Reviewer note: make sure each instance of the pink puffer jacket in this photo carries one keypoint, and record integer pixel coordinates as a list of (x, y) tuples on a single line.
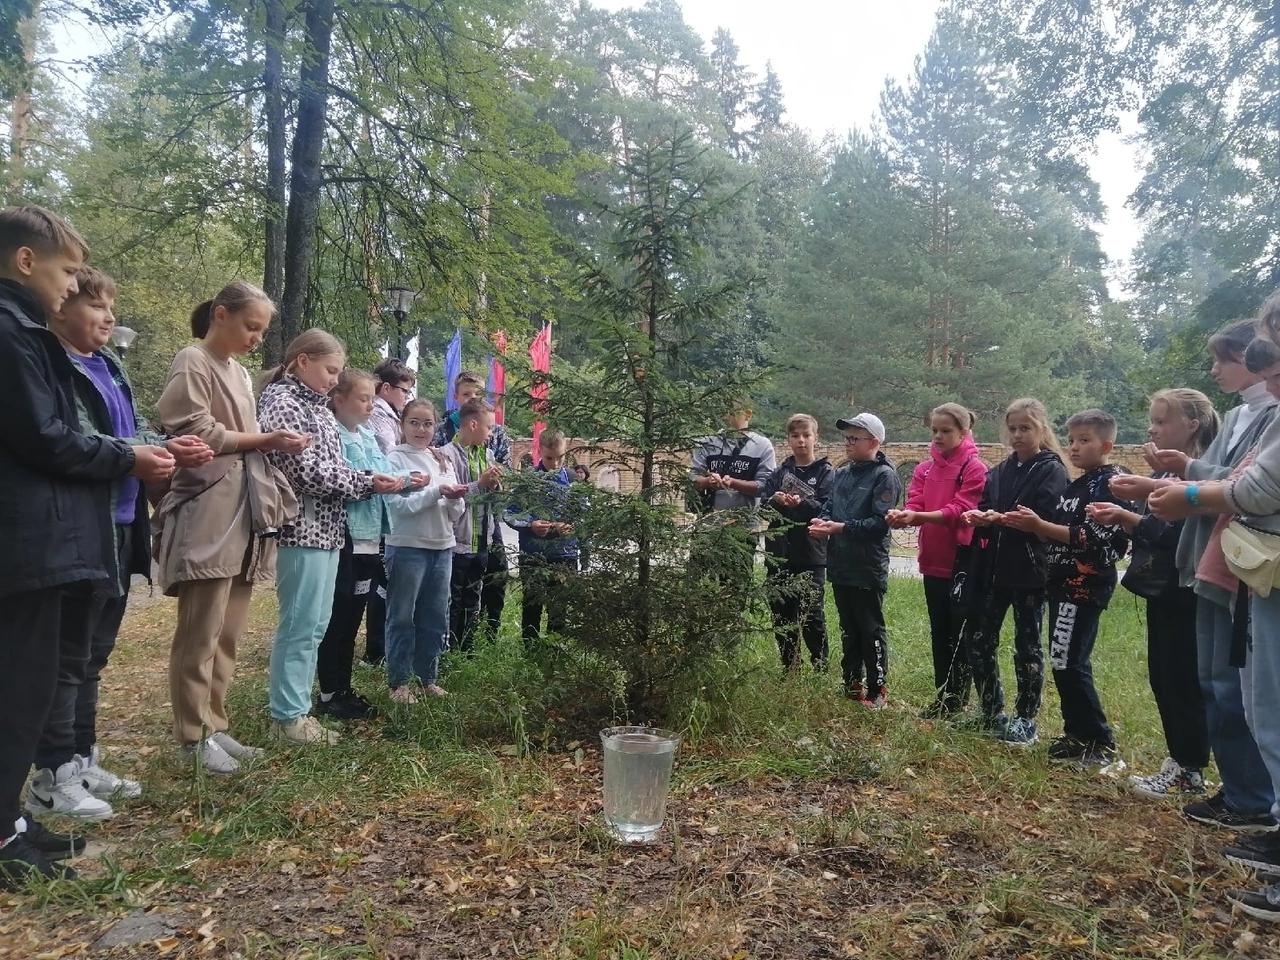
[(951, 483)]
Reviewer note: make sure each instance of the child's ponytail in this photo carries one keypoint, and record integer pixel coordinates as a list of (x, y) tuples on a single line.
[(964, 418), (233, 298)]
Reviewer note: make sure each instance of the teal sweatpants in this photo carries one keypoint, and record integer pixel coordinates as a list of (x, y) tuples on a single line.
[(304, 583)]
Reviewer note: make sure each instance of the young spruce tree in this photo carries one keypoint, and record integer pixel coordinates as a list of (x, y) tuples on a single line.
[(651, 393)]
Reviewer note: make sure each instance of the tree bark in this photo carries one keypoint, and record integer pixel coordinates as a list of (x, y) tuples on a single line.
[(20, 119), (273, 258), (304, 183)]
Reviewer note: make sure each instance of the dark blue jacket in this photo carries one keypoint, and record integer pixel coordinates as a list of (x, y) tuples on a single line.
[(550, 500), (56, 507), (862, 492)]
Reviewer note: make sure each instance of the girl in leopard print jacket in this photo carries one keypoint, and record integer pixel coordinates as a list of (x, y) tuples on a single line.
[(307, 564)]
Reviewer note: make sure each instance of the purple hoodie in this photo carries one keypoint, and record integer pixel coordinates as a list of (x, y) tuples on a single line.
[(951, 483)]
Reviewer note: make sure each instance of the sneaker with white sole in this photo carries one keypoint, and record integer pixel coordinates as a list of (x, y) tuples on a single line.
[(1261, 904), (234, 747), (60, 791), (210, 757), (304, 729), (1173, 780), (102, 783)]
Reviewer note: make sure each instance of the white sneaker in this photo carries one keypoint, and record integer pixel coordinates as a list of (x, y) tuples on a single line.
[(102, 783), (304, 729), (60, 791), (234, 747), (210, 756)]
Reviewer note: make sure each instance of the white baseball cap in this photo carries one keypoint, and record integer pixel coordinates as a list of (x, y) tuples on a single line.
[(866, 421)]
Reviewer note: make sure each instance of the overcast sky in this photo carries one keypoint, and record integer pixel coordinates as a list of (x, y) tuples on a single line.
[(833, 57)]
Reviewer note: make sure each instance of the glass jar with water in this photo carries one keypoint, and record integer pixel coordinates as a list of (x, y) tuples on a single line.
[(637, 778)]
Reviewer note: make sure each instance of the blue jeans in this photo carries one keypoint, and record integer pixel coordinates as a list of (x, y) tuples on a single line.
[(417, 612), (1262, 685), (1246, 785), (304, 583)]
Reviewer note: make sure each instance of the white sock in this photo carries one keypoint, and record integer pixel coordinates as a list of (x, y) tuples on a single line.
[(326, 697)]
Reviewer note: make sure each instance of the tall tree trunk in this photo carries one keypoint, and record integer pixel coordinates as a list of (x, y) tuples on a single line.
[(273, 259), (304, 184), (20, 118)]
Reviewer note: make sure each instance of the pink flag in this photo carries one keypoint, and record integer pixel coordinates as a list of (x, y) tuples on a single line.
[(540, 357)]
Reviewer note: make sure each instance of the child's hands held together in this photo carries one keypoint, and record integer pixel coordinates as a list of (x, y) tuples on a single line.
[(1175, 461), (491, 479), (416, 480), (541, 528), (287, 441), (453, 491), (786, 499), (898, 519), (1170, 502), (152, 465), (189, 451), (384, 484), (1110, 514), (980, 518), (1132, 487), (821, 529), (1024, 519)]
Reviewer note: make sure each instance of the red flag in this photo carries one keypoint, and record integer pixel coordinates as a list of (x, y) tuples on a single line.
[(497, 386), (540, 358)]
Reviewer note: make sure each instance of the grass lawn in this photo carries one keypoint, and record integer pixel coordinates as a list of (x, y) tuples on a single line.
[(800, 826)]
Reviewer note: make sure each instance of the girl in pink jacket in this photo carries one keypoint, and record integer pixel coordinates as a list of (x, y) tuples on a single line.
[(942, 488)]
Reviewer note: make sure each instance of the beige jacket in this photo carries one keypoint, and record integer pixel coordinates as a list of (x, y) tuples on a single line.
[(218, 520)]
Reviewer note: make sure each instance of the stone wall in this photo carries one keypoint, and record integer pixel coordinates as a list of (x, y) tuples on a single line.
[(904, 456)]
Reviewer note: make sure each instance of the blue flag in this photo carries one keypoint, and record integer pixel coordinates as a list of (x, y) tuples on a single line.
[(452, 367)]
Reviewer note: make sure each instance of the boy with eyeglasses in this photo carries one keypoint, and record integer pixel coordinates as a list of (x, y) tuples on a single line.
[(854, 523)]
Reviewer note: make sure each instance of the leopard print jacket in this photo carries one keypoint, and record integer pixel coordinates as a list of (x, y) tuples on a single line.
[(319, 475)]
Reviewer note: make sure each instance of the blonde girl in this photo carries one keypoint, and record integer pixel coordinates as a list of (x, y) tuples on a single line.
[(297, 399), (1010, 569), (1182, 420)]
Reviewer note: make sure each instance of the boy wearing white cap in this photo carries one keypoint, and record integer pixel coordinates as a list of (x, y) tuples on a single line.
[(864, 490)]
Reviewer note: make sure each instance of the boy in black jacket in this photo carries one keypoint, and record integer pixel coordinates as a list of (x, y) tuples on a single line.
[(795, 563), (863, 491), (1081, 578), (55, 505)]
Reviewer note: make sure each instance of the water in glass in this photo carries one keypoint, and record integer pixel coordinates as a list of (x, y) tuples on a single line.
[(637, 776)]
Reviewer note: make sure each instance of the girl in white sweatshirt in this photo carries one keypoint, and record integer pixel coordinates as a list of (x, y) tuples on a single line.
[(420, 558)]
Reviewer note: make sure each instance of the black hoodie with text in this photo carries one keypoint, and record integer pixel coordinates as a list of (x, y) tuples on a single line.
[(1019, 558), (1084, 569)]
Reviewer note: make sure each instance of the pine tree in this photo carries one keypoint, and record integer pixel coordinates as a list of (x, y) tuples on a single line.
[(733, 85)]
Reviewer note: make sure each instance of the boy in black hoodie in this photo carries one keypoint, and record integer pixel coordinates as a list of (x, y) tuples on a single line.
[(795, 563), (1081, 578)]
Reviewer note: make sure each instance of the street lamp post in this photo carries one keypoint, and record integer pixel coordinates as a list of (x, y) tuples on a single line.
[(399, 301), (122, 339)]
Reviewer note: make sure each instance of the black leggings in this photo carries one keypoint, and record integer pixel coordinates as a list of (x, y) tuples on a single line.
[(982, 641), (950, 660)]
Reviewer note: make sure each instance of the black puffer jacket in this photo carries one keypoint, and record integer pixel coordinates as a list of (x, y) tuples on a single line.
[(1019, 558), (55, 481)]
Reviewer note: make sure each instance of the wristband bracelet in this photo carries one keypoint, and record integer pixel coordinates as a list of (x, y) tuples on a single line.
[(1193, 494)]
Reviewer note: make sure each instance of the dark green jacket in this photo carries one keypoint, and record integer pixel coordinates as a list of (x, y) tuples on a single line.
[(861, 494)]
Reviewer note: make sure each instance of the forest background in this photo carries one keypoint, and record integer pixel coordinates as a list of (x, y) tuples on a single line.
[(472, 150)]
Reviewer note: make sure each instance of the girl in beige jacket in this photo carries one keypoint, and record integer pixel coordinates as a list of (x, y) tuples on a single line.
[(215, 526)]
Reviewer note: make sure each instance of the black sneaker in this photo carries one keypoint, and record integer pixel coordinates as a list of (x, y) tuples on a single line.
[(1260, 904), (20, 862), (1261, 852), (1215, 812), (347, 705), (1068, 748), (1101, 755), (55, 846)]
